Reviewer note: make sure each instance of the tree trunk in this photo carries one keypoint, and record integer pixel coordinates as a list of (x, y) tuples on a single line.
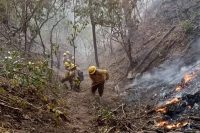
[(95, 44), (129, 53), (51, 40), (42, 43), (94, 33), (25, 28), (111, 46)]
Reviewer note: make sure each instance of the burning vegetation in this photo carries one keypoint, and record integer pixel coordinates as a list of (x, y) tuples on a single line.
[(173, 111), (167, 125), (188, 77), (173, 101)]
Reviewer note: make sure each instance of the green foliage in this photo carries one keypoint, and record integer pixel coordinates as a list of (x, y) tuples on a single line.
[(58, 115), (76, 28), (25, 73), (105, 116), (103, 12), (18, 102), (2, 91), (2, 10), (187, 26)]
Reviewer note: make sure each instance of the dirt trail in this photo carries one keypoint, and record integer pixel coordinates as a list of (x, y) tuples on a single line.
[(83, 108)]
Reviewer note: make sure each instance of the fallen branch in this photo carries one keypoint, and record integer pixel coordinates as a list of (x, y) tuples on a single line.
[(151, 39), (123, 110), (121, 106), (194, 118), (151, 51), (22, 100), (3, 105)]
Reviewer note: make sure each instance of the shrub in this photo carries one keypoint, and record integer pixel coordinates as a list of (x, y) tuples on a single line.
[(24, 73), (187, 26)]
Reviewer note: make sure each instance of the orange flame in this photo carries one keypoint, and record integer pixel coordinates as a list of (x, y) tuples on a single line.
[(165, 124), (173, 101), (177, 125), (162, 123), (188, 77), (162, 110), (178, 88)]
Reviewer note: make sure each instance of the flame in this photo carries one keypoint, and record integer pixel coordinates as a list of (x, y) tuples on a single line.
[(165, 124), (177, 125), (162, 123), (188, 77), (162, 110), (173, 101), (178, 88)]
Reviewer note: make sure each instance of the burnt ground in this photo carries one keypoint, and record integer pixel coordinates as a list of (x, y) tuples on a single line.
[(149, 96)]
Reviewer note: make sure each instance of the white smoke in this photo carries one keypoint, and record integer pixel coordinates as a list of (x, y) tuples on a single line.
[(170, 72)]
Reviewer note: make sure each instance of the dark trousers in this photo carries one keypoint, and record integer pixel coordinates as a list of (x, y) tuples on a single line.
[(100, 88)]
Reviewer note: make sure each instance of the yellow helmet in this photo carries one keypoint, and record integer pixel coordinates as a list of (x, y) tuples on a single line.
[(66, 64), (73, 66), (92, 69)]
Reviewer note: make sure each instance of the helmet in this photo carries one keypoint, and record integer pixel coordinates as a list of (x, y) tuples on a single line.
[(66, 64), (67, 60), (67, 52), (92, 69), (64, 54), (73, 66)]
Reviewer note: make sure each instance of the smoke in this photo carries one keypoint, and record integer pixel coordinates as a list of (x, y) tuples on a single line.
[(149, 8), (170, 72)]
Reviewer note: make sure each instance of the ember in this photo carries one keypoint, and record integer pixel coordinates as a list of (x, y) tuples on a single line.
[(173, 101), (162, 123), (162, 110), (189, 107), (188, 77), (178, 88), (165, 124), (173, 109), (177, 125)]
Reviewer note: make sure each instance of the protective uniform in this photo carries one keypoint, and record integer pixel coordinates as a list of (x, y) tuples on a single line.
[(68, 74), (98, 77), (67, 57), (72, 76)]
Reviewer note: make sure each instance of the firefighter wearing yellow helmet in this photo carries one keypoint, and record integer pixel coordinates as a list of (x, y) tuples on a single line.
[(98, 77), (67, 65), (69, 74), (66, 57), (72, 75)]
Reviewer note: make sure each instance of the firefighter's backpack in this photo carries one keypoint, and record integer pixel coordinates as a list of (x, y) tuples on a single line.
[(80, 75)]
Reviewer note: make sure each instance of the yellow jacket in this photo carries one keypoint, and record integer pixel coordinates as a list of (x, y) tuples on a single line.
[(99, 76)]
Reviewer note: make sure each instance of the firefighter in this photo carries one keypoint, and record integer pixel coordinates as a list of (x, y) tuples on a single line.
[(76, 78), (98, 77), (66, 56), (69, 74), (72, 76)]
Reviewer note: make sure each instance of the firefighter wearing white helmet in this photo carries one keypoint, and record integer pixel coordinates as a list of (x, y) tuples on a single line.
[(66, 56), (98, 77)]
